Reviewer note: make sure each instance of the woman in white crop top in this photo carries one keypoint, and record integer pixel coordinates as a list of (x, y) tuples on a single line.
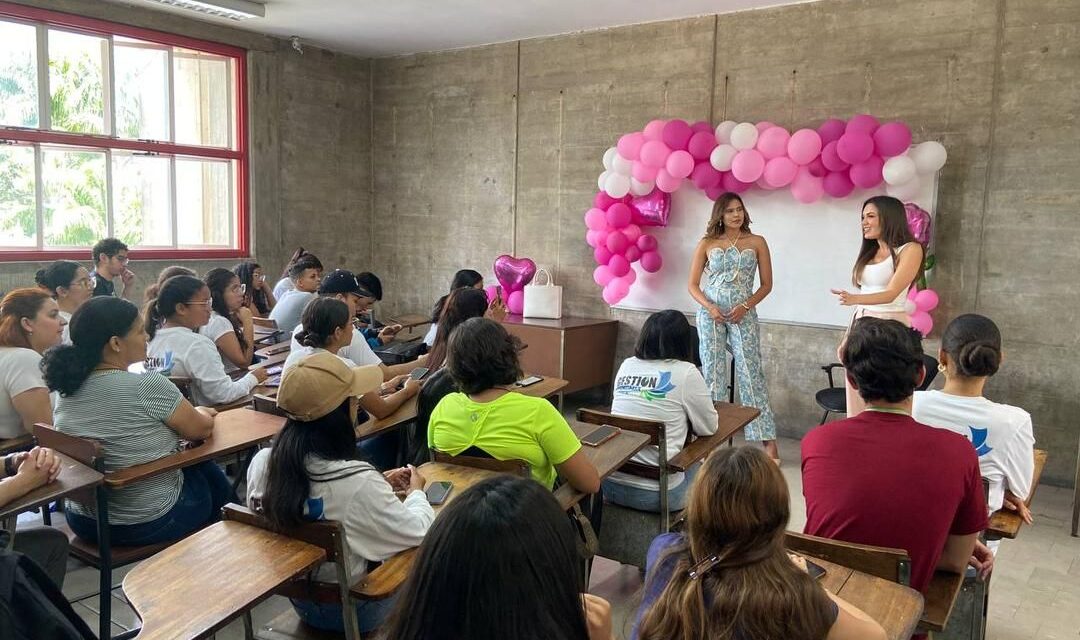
[(889, 262)]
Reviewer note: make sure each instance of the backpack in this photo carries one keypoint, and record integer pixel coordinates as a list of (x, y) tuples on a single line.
[(31, 606)]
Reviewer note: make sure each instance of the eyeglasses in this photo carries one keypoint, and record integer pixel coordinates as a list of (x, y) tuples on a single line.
[(122, 259), (208, 302), (83, 283), (239, 288), (261, 278)]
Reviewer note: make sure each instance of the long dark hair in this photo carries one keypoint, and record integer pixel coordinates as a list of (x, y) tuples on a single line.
[(522, 579), (320, 319), (461, 305), (246, 272), (176, 290), (296, 256), (172, 271), (715, 227), (463, 278), (894, 232), (666, 335), (66, 367), (746, 587), (219, 280), (288, 483), (58, 274), (481, 354), (973, 343)]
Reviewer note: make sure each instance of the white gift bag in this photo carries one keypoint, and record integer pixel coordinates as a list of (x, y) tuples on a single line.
[(543, 300)]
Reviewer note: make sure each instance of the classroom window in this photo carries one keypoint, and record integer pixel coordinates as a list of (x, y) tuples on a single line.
[(109, 130)]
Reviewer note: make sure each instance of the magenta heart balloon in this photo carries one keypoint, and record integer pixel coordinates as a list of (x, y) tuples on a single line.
[(651, 210), (918, 220), (514, 273)]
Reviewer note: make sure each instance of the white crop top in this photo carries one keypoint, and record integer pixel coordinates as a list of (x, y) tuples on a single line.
[(875, 279)]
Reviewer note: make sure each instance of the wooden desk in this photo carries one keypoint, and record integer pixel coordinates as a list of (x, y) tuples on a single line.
[(606, 458), (729, 419), (74, 477), (196, 586), (580, 350), (895, 607), (1005, 523), (18, 443), (234, 430)]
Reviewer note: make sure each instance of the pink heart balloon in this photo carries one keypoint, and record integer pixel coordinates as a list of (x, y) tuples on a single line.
[(918, 221), (651, 210), (514, 273)]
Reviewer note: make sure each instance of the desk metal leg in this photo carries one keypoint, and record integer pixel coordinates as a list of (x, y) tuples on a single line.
[(105, 570)]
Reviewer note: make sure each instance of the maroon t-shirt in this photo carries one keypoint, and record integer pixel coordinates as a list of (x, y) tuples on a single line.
[(884, 479)]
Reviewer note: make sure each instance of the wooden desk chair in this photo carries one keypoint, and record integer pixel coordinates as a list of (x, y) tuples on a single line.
[(13, 445), (266, 404), (273, 350), (182, 383), (515, 467), (329, 536)]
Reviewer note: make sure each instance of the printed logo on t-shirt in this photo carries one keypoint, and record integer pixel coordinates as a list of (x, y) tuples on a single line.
[(978, 440), (649, 387), (313, 509)]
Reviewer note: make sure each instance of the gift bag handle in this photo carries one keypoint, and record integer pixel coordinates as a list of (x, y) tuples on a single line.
[(547, 276)]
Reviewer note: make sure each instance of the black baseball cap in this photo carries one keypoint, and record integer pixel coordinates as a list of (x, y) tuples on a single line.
[(342, 281)]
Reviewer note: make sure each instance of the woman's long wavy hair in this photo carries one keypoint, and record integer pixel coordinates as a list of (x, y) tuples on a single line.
[(219, 280), (894, 232), (246, 272), (747, 587), (461, 305), (715, 227)]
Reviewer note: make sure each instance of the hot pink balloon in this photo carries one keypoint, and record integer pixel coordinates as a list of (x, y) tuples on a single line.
[(630, 277), (807, 188), (867, 174), (779, 172), (594, 219), (491, 291), (633, 254), (862, 123), (734, 185), (702, 126), (804, 146), (927, 300), (619, 265), (602, 201), (831, 160), (748, 165), (831, 130), (854, 148), (912, 292), (667, 182), (772, 143), (837, 184), (817, 168), (677, 134), (616, 243), (632, 233), (615, 291), (655, 153), (515, 302), (714, 193), (618, 215), (514, 273), (922, 322), (654, 130), (680, 164), (704, 176), (601, 254), (764, 125), (651, 261), (643, 172), (701, 144), (602, 275), (629, 146), (918, 221), (892, 139), (647, 243), (650, 210)]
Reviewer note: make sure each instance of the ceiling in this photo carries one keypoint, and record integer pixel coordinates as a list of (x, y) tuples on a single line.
[(394, 27)]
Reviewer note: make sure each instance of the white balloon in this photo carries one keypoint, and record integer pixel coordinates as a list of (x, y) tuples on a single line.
[(617, 185), (601, 182), (639, 188), (905, 192), (898, 169), (744, 136), (722, 156), (621, 165), (723, 131), (929, 157), (609, 158), (909, 306)]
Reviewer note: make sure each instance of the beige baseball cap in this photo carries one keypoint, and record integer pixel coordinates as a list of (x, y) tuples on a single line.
[(319, 383)]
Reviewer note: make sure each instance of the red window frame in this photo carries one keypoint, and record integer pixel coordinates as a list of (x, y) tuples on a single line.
[(239, 155)]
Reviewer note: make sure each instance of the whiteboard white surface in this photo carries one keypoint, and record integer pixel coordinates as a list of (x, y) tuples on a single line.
[(813, 248)]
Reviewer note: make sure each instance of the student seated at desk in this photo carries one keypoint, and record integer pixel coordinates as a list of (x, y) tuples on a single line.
[(172, 322), (971, 353), (21, 473), (151, 292), (501, 561), (30, 323), (463, 279), (483, 360), (258, 298), (376, 336), (304, 274), (883, 479), (137, 418), (728, 576), (287, 283), (69, 284), (661, 382), (230, 326), (460, 305), (311, 473)]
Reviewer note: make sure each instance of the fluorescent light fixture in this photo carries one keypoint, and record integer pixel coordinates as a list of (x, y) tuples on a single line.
[(231, 9)]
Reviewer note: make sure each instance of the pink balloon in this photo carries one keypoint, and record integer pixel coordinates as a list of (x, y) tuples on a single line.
[(491, 292), (630, 277), (514, 273), (702, 126), (642, 172), (602, 201), (594, 219), (515, 302), (831, 130), (702, 144), (892, 139), (677, 134), (763, 126), (804, 146), (734, 185), (837, 184), (615, 291), (927, 300), (867, 175), (762, 184), (772, 143), (602, 275), (854, 148), (619, 266), (651, 210), (680, 164), (779, 172), (807, 188), (633, 254), (618, 215), (601, 254), (647, 243), (616, 242), (817, 168), (593, 238), (704, 176), (912, 292), (654, 153), (714, 193), (862, 123), (922, 322), (918, 221), (629, 146), (831, 160), (651, 261), (748, 165), (667, 182), (632, 233), (654, 130)]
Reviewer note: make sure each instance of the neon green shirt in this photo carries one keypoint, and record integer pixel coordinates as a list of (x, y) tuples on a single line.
[(512, 426)]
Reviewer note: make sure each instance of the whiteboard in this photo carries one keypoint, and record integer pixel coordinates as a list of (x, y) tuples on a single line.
[(813, 248)]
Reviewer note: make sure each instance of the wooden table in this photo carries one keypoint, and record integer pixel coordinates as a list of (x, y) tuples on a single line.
[(607, 458), (74, 477), (580, 350), (895, 607), (1005, 523), (196, 586)]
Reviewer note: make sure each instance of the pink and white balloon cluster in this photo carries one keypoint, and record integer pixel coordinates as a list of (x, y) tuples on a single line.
[(834, 159), (918, 306), (616, 236)]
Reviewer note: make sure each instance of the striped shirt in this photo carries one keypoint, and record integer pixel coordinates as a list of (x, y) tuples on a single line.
[(126, 412)]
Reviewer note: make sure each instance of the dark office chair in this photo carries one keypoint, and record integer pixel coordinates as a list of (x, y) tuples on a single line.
[(833, 398)]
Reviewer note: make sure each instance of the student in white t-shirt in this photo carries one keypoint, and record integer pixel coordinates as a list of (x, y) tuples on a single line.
[(30, 323), (661, 382), (230, 327), (172, 322), (1001, 434), (286, 283), (304, 274), (69, 284)]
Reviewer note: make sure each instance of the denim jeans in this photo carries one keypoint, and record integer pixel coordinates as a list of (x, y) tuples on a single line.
[(649, 499), (205, 491), (371, 614)]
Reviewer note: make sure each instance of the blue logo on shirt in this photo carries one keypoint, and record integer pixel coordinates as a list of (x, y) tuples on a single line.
[(650, 387), (313, 509), (978, 440)]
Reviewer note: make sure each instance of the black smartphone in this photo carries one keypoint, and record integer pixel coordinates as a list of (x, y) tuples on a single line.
[(815, 570), (418, 373), (438, 491), (600, 435), (524, 382)]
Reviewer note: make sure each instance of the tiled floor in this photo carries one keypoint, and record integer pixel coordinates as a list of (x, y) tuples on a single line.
[(1035, 593)]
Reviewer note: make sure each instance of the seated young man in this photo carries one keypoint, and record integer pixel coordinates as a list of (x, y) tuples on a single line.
[(883, 479), (110, 261), (376, 336)]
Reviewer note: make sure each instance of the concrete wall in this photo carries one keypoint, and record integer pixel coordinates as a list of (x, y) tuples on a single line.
[(496, 149)]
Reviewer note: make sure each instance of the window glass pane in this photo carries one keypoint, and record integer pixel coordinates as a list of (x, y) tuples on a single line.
[(142, 91), (202, 85), (18, 211), (76, 82), (141, 200), (204, 213), (74, 198), (18, 75)]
